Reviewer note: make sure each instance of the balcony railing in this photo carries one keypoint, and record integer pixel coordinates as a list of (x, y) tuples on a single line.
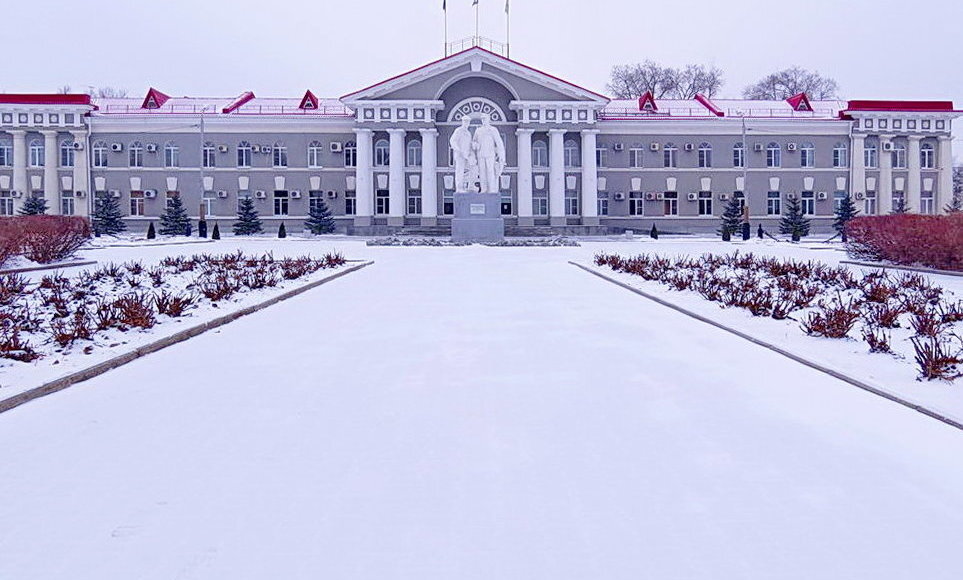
[(251, 109), (499, 48)]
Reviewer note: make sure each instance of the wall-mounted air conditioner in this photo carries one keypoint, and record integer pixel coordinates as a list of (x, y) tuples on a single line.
[(659, 196), (266, 149), (790, 146), (115, 147), (619, 196), (822, 195), (689, 147), (618, 146), (860, 195), (653, 146), (336, 147), (332, 194), (888, 146), (260, 194), (222, 148), (256, 148), (150, 193), (151, 147), (650, 196), (221, 193), (295, 194), (723, 197), (114, 193), (78, 145), (757, 147), (80, 194), (692, 196)]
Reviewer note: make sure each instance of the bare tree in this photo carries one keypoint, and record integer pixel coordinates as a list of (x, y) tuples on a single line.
[(792, 81), (64, 90), (629, 81), (107, 92), (697, 79)]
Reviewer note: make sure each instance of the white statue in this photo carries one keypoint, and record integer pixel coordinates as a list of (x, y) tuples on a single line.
[(463, 148), (490, 155)]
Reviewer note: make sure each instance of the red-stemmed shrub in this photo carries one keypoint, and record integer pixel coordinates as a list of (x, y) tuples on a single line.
[(937, 357), (934, 241), (47, 238)]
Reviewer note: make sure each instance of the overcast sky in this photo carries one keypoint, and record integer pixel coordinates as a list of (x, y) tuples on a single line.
[(880, 49)]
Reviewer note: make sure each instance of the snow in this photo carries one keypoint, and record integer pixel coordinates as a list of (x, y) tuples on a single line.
[(474, 412)]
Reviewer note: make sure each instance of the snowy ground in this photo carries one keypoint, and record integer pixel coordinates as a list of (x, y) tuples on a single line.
[(474, 413)]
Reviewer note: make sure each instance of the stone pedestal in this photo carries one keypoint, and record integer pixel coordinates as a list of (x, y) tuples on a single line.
[(478, 218)]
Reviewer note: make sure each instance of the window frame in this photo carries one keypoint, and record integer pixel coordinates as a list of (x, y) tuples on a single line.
[(705, 155), (315, 154), (245, 154), (773, 155)]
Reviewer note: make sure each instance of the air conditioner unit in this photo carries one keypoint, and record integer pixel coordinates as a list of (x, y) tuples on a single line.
[(80, 194), (689, 147), (150, 193), (222, 148), (860, 195), (888, 146), (332, 194), (295, 194), (723, 197), (650, 196), (757, 147), (151, 147), (790, 146), (114, 193), (660, 196), (260, 194), (221, 193), (653, 146), (619, 196), (822, 195), (78, 145), (116, 147), (256, 148), (618, 146), (16, 193), (265, 148), (336, 147), (692, 196)]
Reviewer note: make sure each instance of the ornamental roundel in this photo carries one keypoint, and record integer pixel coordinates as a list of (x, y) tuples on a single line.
[(476, 107)]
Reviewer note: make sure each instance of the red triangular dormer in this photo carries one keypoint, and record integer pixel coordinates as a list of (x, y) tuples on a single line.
[(800, 102), (309, 101), (154, 99), (647, 103)]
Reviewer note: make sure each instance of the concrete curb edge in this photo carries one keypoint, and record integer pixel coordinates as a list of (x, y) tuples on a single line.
[(883, 266), (49, 267)]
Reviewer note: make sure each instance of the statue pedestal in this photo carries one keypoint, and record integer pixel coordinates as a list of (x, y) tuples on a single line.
[(478, 218)]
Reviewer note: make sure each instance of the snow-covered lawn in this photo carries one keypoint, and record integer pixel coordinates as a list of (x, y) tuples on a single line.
[(474, 413)]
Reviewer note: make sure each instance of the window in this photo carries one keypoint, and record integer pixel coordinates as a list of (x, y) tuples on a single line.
[(705, 203), (506, 203), (413, 154), (315, 200), (540, 205), (241, 197), (6, 154), (243, 154), (67, 202), (603, 203), (100, 154), (350, 154), (208, 198), (807, 155), (281, 202), (899, 156), (315, 151), (67, 154), (382, 205), (350, 202), (773, 203), (738, 155), (927, 157), (871, 157), (669, 155), (170, 197), (414, 202), (670, 203), (636, 203), (539, 154), (135, 158), (635, 157), (382, 153), (773, 155), (280, 156), (570, 151), (740, 198), (209, 155), (571, 203), (6, 203), (602, 157), (838, 198), (926, 202), (808, 203), (172, 155), (448, 202), (840, 155), (136, 203), (705, 155), (36, 153), (871, 208)]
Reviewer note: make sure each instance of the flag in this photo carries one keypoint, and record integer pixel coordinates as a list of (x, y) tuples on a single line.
[(474, 2), (506, 6), (444, 5)]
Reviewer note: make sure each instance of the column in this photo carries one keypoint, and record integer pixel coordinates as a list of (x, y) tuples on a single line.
[(857, 168), (396, 177), (913, 177), (364, 185), (556, 177), (20, 165), (429, 176), (524, 179), (944, 193), (590, 187), (884, 189), (82, 174), (51, 185)]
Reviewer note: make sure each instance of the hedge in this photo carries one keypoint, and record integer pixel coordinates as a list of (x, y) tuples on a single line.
[(42, 238), (934, 241)]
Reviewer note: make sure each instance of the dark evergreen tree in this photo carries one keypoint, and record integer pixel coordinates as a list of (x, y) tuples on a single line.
[(151, 233), (845, 211), (731, 219), (216, 232), (319, 218), (34, 205), (654, 233), (899, 206), (793, 221), (174, 221), (248, 223), (282, 233), (107, 218), (760, 233)]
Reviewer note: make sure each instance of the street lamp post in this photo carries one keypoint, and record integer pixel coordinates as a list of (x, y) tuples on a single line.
[(746, 228)]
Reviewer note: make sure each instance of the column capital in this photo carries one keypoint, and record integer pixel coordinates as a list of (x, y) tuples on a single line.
[(524, 131), (859, 137), (884, 138), (363, 131), (945, 138), (915, 137), (590, 131), (17, 132), (557, 131), (49, 132), (396, 131), (428, 131)]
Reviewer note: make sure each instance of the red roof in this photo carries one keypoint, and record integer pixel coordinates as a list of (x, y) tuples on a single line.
[(39, 99), (647, 99), (907, 106), (239, 102), (800, 102), (154, 99), (309, 101), (705, 102)]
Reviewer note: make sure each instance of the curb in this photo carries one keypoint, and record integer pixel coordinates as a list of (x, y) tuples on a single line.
[(120, 360), (51, 267), (899, 267), (134, 245), (804, 361)]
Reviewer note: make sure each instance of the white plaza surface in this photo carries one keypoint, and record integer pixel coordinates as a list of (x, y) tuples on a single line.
[(473, 413)]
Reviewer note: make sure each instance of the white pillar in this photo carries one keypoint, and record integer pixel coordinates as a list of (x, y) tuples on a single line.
[(944, 193), (20, 165), (396, 177), (364, 185), (913, 177), (524, 179), (556, 177), (885, 186), (51, 185), (429, 176), (81, 174), (590, 186), (857, 169)]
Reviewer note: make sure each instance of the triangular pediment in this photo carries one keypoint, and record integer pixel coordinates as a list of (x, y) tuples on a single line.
[(154, 99)]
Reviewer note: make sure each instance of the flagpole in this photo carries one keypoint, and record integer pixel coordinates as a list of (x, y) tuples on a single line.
[(508, 30), (444, 7), (476, 21)]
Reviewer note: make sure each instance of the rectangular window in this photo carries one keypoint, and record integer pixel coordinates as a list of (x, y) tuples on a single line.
[(67, 203), (280, 156), (172, 156), (926, 202), (36, 156), (636, 203), (315, 200), (540, 206), (669, 157), (100, 157), (241, 197), (448, 202), (705, 203), (838, 198), (350, 202), (571, 203), (350, 157), (740, 197), (871, 158), (382, 205), (705, 157), (927, 158), (773, 203), (603, 203), (773, 157), (281, 202), (840, 156), (808, 202), (67, 157), (208, 198), (136, 203), (807, 157), (6, 203), (506, 203), (135, 157), (670, 203), (635, 157), (208, 157), (414, 202), (738, 157), (244, 156), (601, 157), (871, 207), (6, 155), (169, 199)]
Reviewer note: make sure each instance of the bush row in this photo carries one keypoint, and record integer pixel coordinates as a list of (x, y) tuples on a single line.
[(42, 238), (934, 241)]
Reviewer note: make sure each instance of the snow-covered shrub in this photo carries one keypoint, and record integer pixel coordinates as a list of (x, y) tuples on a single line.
[(938, 357), (935, 241), (833, 318), (172, 303), (51, 238)]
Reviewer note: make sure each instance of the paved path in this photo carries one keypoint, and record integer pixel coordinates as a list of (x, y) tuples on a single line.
[(474, 414)]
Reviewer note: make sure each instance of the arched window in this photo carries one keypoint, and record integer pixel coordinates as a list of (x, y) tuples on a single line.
[(927, 156), (738, 155), (280, 152), (382, 153), (172, 155), (871, 156), (705, 155), (413, 157), (807, 155), (840, 155), (36, 153), (670, 155), (135, 154), (67, 153), (243, 154), (208, 156), (350, 154), (99, 153), (899, 156), (539, 154), (773, 155), (315, 151), (571, 153)]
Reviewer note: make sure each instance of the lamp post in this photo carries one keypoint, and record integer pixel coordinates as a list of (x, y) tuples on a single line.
[(201, 210), (746, 228)]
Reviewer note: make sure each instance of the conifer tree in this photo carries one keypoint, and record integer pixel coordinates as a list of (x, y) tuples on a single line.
[(248, 223), (793, 221), (174, 221), (107, 218), (319, 218), (845, 211), (731, 219), (34, 205), (151, 233), (282, 232), (654, 233), (216, 232)]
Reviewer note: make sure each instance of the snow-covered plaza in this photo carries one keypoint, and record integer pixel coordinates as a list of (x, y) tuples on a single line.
[(477, 413)]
